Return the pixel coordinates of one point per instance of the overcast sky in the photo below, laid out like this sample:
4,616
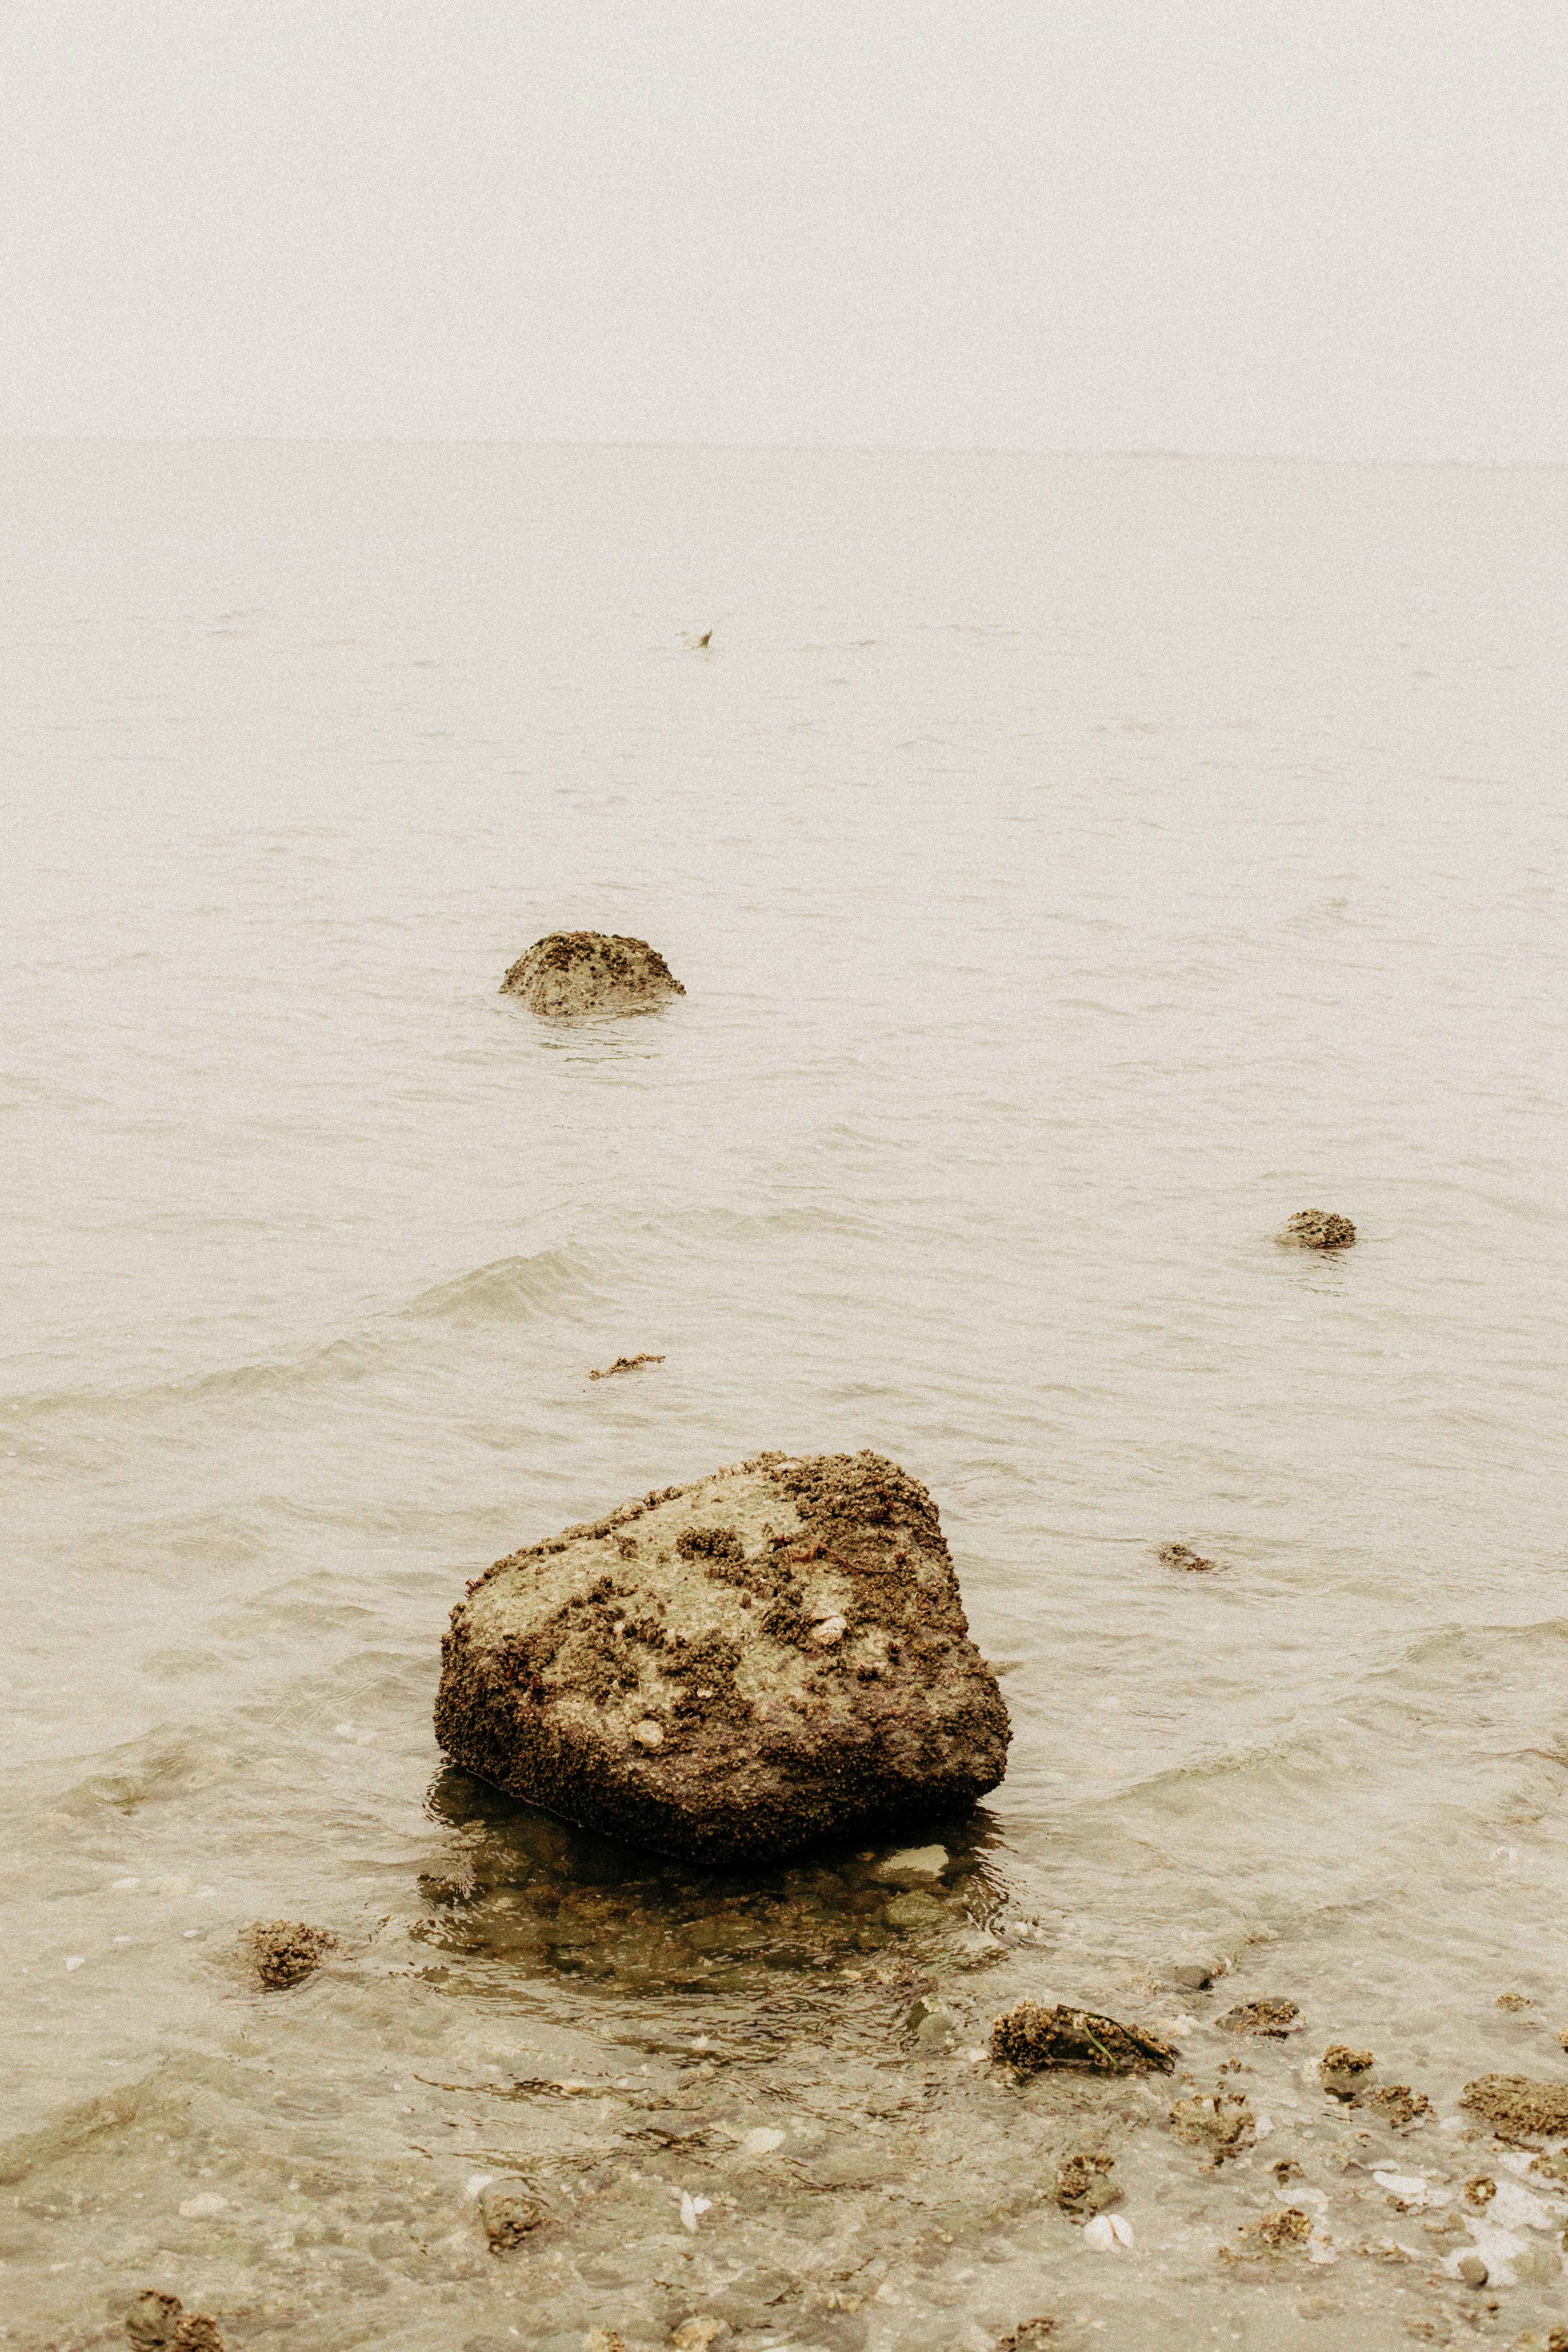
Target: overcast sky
1336,227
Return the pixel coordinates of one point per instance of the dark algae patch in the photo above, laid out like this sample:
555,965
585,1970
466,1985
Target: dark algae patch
772,1656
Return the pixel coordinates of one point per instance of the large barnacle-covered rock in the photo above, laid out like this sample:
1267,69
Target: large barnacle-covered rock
727,1671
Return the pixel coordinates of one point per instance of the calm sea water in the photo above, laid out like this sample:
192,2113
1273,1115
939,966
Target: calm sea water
1075,866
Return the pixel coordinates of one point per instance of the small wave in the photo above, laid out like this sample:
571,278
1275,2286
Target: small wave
511,1290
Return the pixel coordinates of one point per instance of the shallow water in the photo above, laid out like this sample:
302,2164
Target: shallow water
1075,866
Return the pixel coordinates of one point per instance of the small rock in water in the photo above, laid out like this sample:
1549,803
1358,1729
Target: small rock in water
151,2319
197,2333
1512,2001
625,1364
156,2321
1281,2231
509,2212
1318,1229
1177,1555
1030,2335
1472,2269
1107,2232
1193,1976
1083,2183
1274,2018
696,2334
913,1862
1220,2123
1479,2191
286,1951
1031,2038
1399,2104
1517,2108
590,971
1343,2072
666,1686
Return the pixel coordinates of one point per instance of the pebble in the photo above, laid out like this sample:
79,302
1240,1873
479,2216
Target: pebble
1473,2270
1106,2232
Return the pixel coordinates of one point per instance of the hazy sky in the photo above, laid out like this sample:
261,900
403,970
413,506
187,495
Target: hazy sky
1332,226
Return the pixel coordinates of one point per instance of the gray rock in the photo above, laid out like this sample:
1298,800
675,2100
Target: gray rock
590,971
774,1655
1473,2270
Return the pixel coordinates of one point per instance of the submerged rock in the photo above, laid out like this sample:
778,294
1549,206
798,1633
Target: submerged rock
590,971
1517,2108
508,2213
1031,2037
1083,2182
286,1951
156,2321
1221,2123
1180,1555
1274,2018
775,1654
1318,1229
1344,2071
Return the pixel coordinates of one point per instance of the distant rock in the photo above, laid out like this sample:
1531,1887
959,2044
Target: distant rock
775,1655
1318,1229
590,971
1180,1555
286,1951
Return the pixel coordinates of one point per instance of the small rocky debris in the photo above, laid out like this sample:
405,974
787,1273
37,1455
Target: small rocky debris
1517,2108
1553,2166
1275,2018
696,2334
1344,2072
1083,2183
625,1364
1221,2123
509,2211
1032,2038
1178,1555
1398,2104
590,971
1479,2191
1281,2231
156,2321
1515,2001
604,2339
1318,1229
1030,2335
286,1951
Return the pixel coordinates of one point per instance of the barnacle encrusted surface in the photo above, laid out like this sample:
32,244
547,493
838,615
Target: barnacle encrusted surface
590,971
772,1655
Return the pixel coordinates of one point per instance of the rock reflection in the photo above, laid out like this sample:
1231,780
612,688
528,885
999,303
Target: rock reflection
524,1888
